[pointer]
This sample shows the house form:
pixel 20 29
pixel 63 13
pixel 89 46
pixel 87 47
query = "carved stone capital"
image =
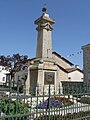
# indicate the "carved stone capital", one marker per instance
pixel 46 26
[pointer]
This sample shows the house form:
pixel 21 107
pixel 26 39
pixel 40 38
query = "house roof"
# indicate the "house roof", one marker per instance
pixel 62 58
pixel 62 68
pixel 73 69
pixel 69 70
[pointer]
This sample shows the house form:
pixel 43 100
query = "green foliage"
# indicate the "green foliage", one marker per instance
pixel 10 107
pixel 85 99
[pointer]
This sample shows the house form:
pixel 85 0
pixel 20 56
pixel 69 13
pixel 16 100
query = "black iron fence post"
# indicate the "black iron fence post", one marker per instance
pixel 49 104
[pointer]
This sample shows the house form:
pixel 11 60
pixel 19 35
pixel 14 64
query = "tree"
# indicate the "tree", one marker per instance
pixel 11 61
pixel 14 62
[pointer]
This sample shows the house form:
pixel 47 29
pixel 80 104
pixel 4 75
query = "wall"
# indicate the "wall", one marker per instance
pixel 61 62
pixel 21 74
pixel 3 74
pixel 86 64
pixel 75 76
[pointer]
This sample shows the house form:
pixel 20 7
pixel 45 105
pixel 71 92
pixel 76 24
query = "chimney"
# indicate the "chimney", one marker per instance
pixel 77 66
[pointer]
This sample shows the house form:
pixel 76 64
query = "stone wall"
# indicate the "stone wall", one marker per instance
pixel 61 62
pixel 86 63
pixel 62 75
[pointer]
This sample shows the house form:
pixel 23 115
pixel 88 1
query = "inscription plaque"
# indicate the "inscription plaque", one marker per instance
pixel 49 77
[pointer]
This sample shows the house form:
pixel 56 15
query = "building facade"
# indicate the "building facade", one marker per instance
pixel 86 63
pixel 3 75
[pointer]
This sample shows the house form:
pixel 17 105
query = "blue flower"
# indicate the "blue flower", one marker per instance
pixel 45 104
pixel 58 103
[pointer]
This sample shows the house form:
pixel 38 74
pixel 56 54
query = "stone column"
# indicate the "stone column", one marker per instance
pixel 44 41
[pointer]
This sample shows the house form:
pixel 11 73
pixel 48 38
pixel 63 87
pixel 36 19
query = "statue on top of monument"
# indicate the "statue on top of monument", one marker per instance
pixel 44 8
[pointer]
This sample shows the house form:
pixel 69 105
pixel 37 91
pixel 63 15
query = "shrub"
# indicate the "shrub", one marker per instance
pixel 10 107
pixel 85 99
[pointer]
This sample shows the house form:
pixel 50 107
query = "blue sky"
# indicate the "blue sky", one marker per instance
pixel 71 30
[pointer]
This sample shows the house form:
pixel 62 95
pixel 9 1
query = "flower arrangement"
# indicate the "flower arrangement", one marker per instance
pixel 56 102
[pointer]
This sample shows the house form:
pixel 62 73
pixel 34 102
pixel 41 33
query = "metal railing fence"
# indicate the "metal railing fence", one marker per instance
pixel 46 103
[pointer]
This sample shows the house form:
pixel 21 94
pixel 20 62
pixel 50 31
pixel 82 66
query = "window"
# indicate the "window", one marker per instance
pixel 69 78
pixel 2 68
pixel 3 79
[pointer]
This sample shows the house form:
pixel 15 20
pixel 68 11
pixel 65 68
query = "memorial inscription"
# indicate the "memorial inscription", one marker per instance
pixel 49 77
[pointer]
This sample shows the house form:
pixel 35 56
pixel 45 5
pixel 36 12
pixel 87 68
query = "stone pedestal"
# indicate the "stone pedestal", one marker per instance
pixel 42 73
